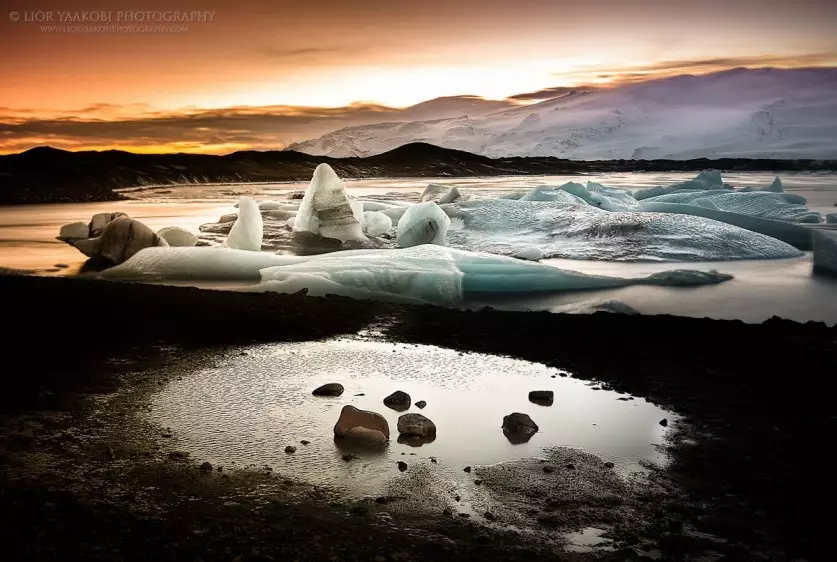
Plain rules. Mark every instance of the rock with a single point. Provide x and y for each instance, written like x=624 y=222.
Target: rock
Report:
x=477 y=482
x=465 y=515
x=347 y=458
x=74 y=230
x=97 y=224
x=304 y=442
x=361 y=424
x=330 y=389
x=119 y=240
x=206 y=467
x=178 y=455
x=467 y=469
x=609 y=464
x=231 y=217
x=416 y=424
x=545 y=397
x=519 y=428
x=570 y=467
x=421 y=404
x=447 y=511
x=548 y=469
x=490 y=516
x=290 y=449
x=457 y=498
x=381 y=500
x=402 y=466
x=398 y=400
x=176 y=236
x=664 y=422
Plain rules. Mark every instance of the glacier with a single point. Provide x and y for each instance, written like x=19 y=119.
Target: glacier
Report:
x=424 y=223
x=327 y=211
x=509 y=227
x=248 y=230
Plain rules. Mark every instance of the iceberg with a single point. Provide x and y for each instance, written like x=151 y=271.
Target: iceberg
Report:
x=176 y=236
x=552 y=194
x=607 y=198
x=796 y=235
x=776 y=206
x=825 y=251
x=774 y=187
x=375 y=223
x=248 y=230
x=706 y=180
x=441 y=194
x=424 y=223
x=327 y=211
x=431 y=274
x=507 y=227
x=831 y=218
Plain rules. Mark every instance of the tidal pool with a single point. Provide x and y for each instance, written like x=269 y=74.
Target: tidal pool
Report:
x=248 y=407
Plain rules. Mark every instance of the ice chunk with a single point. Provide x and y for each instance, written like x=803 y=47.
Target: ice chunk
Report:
x=553 y=194
x=606 y=198
x=176 y=236
x=380 y=205
x=776 y=206
x=825 y=250
x=194 y=263
x=444 y=276
x=440 y=194
x=793 y=234
x=326 y=209
x=707 y=180
x=774 y=187
x=507 y=227
x=248 y=230
x=424 y=223
x=376 y=223
x=831 y=218
x=395 y=214
x=74 y=230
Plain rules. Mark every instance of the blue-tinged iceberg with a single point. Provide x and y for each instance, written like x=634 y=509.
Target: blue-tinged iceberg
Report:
x=825 y=250
x=766 y=205
x=327 y=211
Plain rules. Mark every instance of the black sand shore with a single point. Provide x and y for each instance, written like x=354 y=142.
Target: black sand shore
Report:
x=749 y=476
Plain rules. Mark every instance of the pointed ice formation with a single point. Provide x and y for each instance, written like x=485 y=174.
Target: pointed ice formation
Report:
x=248 y=230
x=327 y=211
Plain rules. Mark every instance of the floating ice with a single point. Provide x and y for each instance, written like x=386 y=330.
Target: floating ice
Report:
x=424 y=223
x=443 y=276
x=176 y=236
x=507 y=227
x=248 y=230
x=552 y=194
x=381 y=206
x=706 y=180
x=326 y=209
x=376 y=223
x=796 y=235
x=776 y=206
x=774 y=187
x=606 y=198
x=825 y=250
x=831 y=218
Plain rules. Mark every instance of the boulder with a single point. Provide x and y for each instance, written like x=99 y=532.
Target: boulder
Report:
x=330 y=389
x=361 y=424
x=421 y=404
x=100 y=220
x=398 y=400
x=176 y=236
x=519 y=428
x=545 y=397
x=120 y=239
x=74 y=230
x=416 y=424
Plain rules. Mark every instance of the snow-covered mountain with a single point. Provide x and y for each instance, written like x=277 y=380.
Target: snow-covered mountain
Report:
x=759 y=113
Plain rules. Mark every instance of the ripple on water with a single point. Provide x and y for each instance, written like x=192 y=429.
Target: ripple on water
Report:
x=248 y=408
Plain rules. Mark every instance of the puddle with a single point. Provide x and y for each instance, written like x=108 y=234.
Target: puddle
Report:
x=587 y=540
x=248 y=408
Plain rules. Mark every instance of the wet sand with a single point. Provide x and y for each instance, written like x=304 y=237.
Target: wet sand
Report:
x=84 y=476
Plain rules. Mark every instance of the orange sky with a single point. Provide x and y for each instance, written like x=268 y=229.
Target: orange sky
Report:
x=271 y=54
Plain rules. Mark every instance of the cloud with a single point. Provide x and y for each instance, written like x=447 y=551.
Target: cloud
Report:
x=548 y=93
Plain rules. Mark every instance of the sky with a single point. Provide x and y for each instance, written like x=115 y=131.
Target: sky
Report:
x=212 y=76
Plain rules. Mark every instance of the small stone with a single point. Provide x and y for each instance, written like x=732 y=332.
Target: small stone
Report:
x=609 y=464
x=178 y=455
x=166 y=434
x=360 y=394
x=330 y=389
x=664 y=422
x=570 y=467
x=467 y=469
x=447 y=511
x=623 y=398
x=347 y=458
x=402 y=466
x=548 y=469
x=305 y=442
x=381 y=500
x=433 y=460
x=545 y=397
x=421 y=404
x=206 y=467
x=290 y=449
x=457 y=498
x=416 y=424
x=490 y=516
x=398 y=400
x=465 y=515
x=477 y=482
x=220 y=469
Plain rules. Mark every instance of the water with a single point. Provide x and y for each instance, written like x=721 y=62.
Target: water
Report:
x=760 y=289
x=246 y=409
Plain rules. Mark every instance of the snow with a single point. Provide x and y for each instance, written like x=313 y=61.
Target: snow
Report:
x=326 y=209
x=758 y=113
x=424 y=223
x=176 y=236
x=247 y=232
x=375 y=223
x=509 y=227
x=443 y=276
x=825 y=250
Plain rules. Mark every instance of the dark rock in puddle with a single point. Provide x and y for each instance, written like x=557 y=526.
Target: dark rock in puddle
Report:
x=609 y=464
x=421 y=404
x=467 y=469
x=290 y=449
x=304 y=442
x=398 y=401
x=489 y=516
x=465 y=515
x=206 y=467
x=570 y=467
x=415 y=440
x=329 y=389
x=347 y=458
x=664 y=422
x=477 y=482
x=542 y=397
x=519 y=428
x=548 y=469
x=381 y=500
x=361 y=425
x=416 y=424
x=402 y=466
x=360 y=394
x=178 y=455
x=447 y=511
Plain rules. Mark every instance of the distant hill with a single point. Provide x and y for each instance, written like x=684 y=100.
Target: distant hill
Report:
x=48 y=175
x=739 y=113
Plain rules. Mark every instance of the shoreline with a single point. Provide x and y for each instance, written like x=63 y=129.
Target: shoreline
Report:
x=756 y=402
